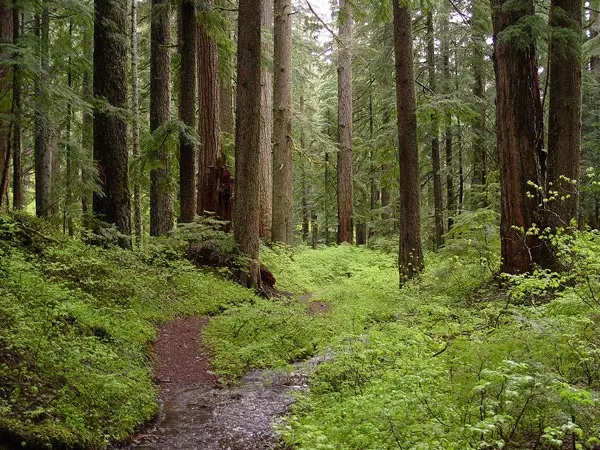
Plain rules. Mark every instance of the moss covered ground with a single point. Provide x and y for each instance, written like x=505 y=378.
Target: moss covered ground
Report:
x=460 y=358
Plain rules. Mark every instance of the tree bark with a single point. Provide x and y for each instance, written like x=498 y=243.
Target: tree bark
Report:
x=113 y=205
x=410 y=258
x=43 y=154
x=479 y=123
x=247 y=136
x=283 y=224
x=68 y=211
x=344 y=163
x=450 y=194
x=161 y=198
x=6 y=36
x=519 y=132
x=18 y=200
x=266 y=129
x=87 y=167
x=213 y=190
x=135 y=126
x=564 y=113
x=187 y=110
x=438 y=207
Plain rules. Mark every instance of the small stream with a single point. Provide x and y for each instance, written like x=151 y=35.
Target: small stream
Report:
x=205 y=416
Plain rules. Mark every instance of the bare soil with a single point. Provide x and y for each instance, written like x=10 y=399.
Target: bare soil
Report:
x=197 y=412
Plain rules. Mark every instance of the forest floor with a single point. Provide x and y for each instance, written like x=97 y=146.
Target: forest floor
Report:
x=198 y=412
x=91 y=338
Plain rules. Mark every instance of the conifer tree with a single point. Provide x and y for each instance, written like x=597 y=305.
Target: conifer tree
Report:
x=344 y=163
x=113 y=204
x=410 y=258
x=283 y=226
x=247 y=136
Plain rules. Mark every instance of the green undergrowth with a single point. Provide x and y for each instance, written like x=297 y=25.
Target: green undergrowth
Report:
x=77 y=326
x=450 y=361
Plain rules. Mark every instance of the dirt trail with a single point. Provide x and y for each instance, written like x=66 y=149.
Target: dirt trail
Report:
x=197 y=413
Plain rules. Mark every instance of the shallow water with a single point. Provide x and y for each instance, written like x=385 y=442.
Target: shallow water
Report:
x=205 y=416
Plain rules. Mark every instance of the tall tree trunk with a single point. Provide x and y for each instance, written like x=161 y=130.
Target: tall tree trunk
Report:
x=43 y=154
x=410 y=258
x=344 y=164
x=372 y=182
x=87 y=167
x=461 y=177
x=327 y=182
x=304 y=205
x=226 y=103
x=247 y=136
x=519 y=123
x=113 y=205
x=479 y=122
x=213 y=190
x=266 y=129
x=450 y=194
x=18 y=201
x=6 y=36
x=161 y=198
x=68 y=211
x=187 y=110
x=438 y=207
x=564 y=113
x=283 y=221
x=135 y=126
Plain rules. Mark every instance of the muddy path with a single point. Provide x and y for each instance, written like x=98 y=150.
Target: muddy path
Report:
x=196 y=412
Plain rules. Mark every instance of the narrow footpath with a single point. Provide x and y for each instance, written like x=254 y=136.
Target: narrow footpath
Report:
x=196 y=412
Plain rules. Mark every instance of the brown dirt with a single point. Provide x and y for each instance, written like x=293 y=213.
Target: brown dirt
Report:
x=196 y=412
x=180 y=358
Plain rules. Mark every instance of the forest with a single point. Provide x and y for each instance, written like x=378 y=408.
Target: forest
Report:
x=308 y=224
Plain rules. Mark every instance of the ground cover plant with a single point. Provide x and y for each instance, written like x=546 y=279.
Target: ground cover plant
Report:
x=78 y=322
x=459 y=358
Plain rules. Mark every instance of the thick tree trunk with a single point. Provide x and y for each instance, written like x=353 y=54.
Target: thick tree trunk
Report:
x=344 y=163
x=135 y=125
x=161 y=198
x=519 y=123
x=43 y=153
x=564 y=114
x=113 y=205
x=187 y=110
x=283 y=223
x=18 y=200
x=6 y=36
x=247 y=136
x=438 y=208
x=266 y=128
x=213 y=189
x=410 y=258
x=479 y=123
